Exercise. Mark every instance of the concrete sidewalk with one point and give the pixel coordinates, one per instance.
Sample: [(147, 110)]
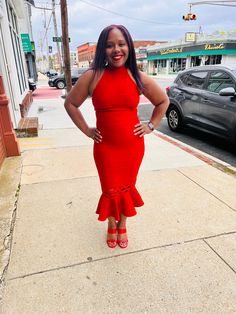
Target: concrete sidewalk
[(182, 244), (181, 256)]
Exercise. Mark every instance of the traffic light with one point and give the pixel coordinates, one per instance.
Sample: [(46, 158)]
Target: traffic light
[(190, 17), (50, 49)]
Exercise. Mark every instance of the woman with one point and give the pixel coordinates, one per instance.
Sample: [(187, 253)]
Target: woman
[(115, 84)]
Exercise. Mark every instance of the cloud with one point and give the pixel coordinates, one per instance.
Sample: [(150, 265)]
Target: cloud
[(149, 19)]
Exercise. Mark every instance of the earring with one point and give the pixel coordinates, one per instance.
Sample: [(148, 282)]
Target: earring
[(106, 63)]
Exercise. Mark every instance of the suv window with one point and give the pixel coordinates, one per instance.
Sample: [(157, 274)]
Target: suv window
[(182, 79), (196, 79), (219, 80)]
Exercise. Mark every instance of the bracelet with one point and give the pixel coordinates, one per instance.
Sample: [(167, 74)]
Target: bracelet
[(150, 126)]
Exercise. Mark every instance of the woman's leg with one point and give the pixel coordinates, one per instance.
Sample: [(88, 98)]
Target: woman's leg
[(111, 225), (122, 225)]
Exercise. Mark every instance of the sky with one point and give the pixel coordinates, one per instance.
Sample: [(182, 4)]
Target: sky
[(145, 19)]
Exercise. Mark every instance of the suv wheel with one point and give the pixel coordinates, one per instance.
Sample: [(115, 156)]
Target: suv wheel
[(174, 119), (60, 84)]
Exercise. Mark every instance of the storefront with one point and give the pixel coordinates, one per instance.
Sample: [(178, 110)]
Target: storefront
[(170, 60), (141, 57)]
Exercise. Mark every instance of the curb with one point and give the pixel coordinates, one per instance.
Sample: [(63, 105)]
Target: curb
[(216, 163)]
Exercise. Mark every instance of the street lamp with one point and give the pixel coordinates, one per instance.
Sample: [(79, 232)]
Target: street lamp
[(228, 3)]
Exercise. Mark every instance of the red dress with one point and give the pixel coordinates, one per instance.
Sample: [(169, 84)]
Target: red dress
[(119, 155)]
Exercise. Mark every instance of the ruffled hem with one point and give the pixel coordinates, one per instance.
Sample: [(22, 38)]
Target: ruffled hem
[(123, 202)]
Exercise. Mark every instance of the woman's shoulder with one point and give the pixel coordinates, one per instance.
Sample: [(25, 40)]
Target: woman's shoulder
[(146, 80), (91, 74), (144, 77), (88, 74)]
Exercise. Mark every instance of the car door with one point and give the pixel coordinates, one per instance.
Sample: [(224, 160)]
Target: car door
[(74, 76), (190, 93), (217, 113)]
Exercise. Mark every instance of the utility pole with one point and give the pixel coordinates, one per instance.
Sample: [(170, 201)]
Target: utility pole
[(56, 34), (46, 37), (65, 41)]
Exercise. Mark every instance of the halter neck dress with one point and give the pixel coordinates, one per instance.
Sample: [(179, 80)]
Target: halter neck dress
[(119, 155)]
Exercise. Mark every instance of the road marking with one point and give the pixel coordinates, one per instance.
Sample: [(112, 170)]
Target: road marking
[(35, 142)]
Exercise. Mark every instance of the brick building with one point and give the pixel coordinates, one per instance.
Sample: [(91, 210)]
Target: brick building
[(85, 54)]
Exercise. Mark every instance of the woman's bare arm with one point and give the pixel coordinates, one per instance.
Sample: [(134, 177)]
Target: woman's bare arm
[(74, 100), (158, 98)]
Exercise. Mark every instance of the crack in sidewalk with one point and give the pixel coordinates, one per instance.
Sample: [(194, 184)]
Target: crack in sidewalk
[(91, 260), (7, 243)]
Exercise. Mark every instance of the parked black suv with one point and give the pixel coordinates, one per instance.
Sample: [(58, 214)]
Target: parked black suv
[(51, 73), (60, 82), (204, 97)]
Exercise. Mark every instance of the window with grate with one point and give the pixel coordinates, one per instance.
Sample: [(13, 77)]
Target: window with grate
[(15, 38)]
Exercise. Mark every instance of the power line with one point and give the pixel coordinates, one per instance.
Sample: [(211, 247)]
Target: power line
[(46, 29), (220, 3), (126, 16)]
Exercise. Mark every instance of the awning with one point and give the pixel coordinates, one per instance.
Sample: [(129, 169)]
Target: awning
[(193, 53)]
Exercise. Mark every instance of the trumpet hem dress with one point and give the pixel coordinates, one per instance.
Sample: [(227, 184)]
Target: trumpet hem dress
[(119, 155)]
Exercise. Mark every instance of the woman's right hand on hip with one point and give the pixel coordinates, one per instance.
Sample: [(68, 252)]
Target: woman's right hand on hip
[(95, 134)]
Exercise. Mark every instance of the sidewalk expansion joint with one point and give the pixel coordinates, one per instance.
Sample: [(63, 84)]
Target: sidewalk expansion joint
[(220, 256), (91, 260), (60, 180), (233, 209)]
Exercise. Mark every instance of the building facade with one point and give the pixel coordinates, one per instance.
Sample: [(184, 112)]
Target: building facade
[(140, 47), (173, 57), (15, 68), (86, 54)]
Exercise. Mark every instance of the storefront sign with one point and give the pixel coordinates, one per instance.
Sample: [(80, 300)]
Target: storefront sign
[(190, 37), (171, 50), (202, 48), (214, 46), (141, 55), (26, 43)]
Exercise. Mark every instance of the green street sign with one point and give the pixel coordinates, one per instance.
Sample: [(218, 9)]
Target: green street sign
[(58, 39), (26, 43)]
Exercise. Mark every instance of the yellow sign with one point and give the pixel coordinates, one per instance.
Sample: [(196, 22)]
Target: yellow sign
[(214, 46), (171, 50), (190, 37)]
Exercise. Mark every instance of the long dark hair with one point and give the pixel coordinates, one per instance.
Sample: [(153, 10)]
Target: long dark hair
[(99, 62)]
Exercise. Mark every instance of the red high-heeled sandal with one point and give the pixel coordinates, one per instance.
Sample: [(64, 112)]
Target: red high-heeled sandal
[(112, 243), (122, 243)]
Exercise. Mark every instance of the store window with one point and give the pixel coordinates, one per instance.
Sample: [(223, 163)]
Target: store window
[(213, 59), (195, 61), (15, 38), (177, 64), (161, 66)]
